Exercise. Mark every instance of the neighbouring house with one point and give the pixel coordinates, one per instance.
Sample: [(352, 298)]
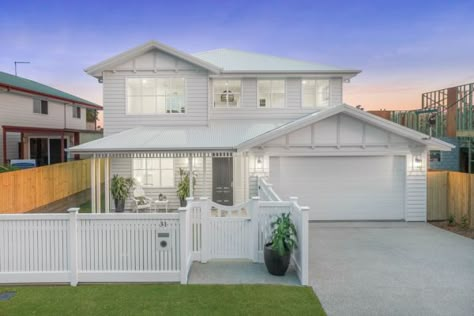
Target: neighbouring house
[(38, 122), (231, 116)]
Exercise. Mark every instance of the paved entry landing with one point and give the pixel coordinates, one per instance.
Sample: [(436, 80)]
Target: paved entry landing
[(237, 272)]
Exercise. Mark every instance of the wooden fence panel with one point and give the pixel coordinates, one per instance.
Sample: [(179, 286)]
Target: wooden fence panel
[(24, 190), (437, 194), (459, 194)]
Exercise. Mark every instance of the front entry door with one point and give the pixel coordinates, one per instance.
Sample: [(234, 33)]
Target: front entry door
[(222, 177)]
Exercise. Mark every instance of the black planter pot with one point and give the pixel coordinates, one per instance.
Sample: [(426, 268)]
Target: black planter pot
[(119, 205), (276, 264), (182, 202)]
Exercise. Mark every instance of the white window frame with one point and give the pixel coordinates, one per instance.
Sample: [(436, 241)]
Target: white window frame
[(316, 106), (159, 170), (271, 93), (127, 112), (227, 104), (41, 106)]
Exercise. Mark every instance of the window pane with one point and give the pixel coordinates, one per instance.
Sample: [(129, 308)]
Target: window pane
[(177, 86), (133, 86), (167, 178), (138, 163), (278, 86), (161, 86), (264, 86), (139, 176), (161, 104), (148, 104), (264, 100), (134, 104), (44, 107), (36, 106), (153, 163), (166, 163), (227, 93), (148, 86), (278, 100), (308, 100), (154, 178)]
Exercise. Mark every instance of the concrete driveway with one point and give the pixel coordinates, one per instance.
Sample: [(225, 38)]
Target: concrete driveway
[(391, 268)]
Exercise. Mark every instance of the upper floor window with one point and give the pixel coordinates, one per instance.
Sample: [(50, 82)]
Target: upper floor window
[(271, 93), (40, 106), (156, 95), (227, 93), (76, 112), (315, 93), (154, 172)]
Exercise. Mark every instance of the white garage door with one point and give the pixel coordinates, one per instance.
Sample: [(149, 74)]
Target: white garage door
[(343, 188)]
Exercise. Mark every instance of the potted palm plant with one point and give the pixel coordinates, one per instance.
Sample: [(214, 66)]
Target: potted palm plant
[(183, 186), (277, 252), (120, 190)]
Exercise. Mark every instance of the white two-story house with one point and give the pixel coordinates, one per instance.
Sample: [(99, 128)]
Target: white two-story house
[(39, 122), (231, 116)]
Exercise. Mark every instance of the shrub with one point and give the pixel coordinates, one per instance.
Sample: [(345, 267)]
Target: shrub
[(464, 221), (451, 220)]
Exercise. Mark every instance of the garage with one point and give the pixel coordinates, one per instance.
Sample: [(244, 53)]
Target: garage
[(344, 188)]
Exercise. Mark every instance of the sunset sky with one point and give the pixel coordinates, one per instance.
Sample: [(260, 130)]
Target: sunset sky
[(403, 48)]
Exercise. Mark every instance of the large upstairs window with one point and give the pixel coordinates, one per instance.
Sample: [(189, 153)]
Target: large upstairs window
[(271, 93), (315, 93), (227, 93), (156, 95)]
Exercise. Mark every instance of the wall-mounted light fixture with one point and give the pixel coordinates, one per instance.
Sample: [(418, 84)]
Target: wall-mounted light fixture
[(417, 163)]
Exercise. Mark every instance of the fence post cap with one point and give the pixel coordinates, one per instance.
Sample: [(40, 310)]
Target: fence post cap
[(73, 210), (255, 198), (182, 209)]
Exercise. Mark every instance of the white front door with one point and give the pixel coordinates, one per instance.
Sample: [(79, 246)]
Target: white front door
[(343, 188)]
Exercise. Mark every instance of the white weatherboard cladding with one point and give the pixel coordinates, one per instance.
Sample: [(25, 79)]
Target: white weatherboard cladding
[(248, 108), (416, 183), (343, 188)]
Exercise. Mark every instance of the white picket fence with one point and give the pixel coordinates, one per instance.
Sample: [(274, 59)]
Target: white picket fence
[(143, 247)]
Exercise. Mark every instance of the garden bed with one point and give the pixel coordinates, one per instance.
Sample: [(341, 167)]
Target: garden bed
[(466, 232)]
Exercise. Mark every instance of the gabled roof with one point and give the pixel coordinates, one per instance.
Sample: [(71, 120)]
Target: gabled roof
[(237, 61), (236, 135), (431, 143), (20, 84), (108, 64)]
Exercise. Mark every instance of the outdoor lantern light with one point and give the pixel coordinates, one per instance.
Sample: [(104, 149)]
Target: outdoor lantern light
[(417, 162)]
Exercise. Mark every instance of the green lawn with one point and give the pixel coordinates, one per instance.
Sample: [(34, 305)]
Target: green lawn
[(162, 299)]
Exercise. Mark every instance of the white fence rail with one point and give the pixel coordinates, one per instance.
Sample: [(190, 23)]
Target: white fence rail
[(265, 191), (72, 248)]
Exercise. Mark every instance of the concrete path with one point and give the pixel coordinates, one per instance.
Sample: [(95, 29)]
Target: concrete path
[(391, 269), (237, 272)]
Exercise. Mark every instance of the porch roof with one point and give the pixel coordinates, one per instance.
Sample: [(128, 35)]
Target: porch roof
[(219, 135)]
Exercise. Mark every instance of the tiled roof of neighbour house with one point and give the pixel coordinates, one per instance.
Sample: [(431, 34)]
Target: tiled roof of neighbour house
[(231, 60), (218, 135), (13, 82)]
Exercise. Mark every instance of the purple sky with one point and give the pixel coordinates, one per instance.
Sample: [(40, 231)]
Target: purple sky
[(403, 47)]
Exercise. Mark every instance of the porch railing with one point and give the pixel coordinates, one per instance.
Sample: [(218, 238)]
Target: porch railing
[(265, 190)]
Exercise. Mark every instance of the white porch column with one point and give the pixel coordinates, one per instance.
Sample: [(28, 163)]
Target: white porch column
[(204, 176), (107, 184), (191, 176), (93, 210), (98, 186)]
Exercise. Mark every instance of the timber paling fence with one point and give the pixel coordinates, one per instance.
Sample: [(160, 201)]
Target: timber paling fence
[(25, 190), (450, 193)]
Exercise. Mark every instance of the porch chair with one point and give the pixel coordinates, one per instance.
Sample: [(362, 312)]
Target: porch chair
[(140, 200)]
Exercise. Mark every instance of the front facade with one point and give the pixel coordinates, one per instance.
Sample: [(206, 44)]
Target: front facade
[(232, 116), (38, 122)]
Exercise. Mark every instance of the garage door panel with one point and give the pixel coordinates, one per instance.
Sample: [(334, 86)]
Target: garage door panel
[(343, 188)]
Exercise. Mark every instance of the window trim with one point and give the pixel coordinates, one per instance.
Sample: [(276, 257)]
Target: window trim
[(157, 114), (213, 104), (76, 109), (316, 106), (41, 106), (146, 168), (285, 88)]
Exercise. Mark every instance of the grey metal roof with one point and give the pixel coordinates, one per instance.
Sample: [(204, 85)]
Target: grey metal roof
[(30, 86), (231, 60), (219, 135)]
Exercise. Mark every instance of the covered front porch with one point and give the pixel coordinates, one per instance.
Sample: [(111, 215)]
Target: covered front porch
[(226, 177)]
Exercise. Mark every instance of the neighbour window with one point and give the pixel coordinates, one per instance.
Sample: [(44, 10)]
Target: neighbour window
[(271, 93), (154, 172), (76, 112), (155, 95), (435, 156), (40, 106), (227, 93), (315, 93)]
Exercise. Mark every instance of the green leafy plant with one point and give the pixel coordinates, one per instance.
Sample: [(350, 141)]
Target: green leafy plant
[(183, 185), (6, 168), (120, 187), (464, 221), (92, 115), (284, 237), (451, 220)]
